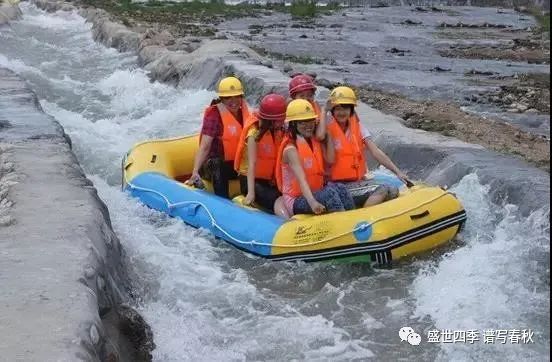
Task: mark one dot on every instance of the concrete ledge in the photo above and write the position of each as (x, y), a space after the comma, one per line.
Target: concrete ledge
(61, 269)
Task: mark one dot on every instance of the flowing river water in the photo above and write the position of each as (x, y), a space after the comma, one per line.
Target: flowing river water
(207, 301)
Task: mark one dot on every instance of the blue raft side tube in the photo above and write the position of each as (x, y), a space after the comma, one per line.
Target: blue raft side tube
(240, 226)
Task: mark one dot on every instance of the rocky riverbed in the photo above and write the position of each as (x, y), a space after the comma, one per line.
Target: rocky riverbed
(466, 72)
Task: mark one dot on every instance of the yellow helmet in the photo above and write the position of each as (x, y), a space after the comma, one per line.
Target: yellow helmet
(300, 110)
(343, 95)
(230, 87)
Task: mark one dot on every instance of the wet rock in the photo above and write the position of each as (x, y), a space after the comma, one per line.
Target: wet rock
(517, 108)
(399, 52)
(267, 63)
(323, 82)
(359, 61)
(151, 37)
(134, 336)
(473, 26)
(302, 26)
(411, 22)
(379, 4)
(420, 9)
(333, 26)
(409, 115)
(6, 220)
(520, 107)
(94, 334)
(4, 123)
(440, 69)
(480, 72)
(303, 36)
(509, 98)
(276, 25)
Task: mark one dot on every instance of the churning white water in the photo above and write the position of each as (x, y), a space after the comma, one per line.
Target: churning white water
(208, 301)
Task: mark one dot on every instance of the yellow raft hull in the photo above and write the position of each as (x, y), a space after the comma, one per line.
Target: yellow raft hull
(422, 218)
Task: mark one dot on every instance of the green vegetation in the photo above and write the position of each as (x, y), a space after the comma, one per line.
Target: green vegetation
(303, 9)
(309, 9)
(199, 18)
(298, 9)
(542, 17)
(193, 8)
(544, 22)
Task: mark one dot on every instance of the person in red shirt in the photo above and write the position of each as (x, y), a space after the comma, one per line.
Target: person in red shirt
(222, 125)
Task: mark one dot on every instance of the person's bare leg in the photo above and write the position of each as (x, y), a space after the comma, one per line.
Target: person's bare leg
(280, 209)
(375, 199)
(379, 196)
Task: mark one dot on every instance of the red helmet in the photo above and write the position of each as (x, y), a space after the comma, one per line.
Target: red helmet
(301, 82)
(273, 108)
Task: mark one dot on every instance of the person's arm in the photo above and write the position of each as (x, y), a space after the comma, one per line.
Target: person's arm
(292, 158)
(383, 159)
(200, 157)
(329, 150)
(321, 132)
(209, 130)
(252, 160)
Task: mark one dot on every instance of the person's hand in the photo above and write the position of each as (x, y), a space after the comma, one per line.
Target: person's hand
(328, 105)
(368, 176)
(317, 207)
(249, 199)
(195, 180)
(404, 178)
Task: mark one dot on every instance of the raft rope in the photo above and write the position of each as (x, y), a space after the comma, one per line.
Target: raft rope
(214, 223)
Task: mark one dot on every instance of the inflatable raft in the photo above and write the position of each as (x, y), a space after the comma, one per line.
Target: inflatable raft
(420, 219)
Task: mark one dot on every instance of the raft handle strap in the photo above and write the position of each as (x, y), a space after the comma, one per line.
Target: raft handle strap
(360, 227)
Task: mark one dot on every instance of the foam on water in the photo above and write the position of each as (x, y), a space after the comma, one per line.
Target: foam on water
(498, 280)
(208, 301)
(198, 309)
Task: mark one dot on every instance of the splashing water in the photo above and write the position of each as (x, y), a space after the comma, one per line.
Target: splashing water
(208, 301)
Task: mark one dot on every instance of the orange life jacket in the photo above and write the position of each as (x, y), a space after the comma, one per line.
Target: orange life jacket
(312, 161)
(350, 163)
(232, 128)
(267, 150)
